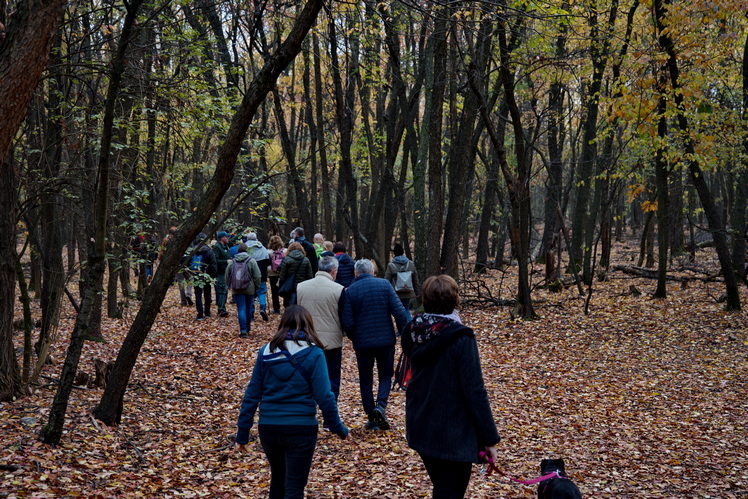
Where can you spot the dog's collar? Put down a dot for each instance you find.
(547, 478)
(554, 474)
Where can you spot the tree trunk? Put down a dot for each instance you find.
(23, 56)
(462, 164)
(345, 107)
(741, 191)
(327, 208)
(600, 45)
(663, 196)
(51, 433)
(434, 142)
(110, 407)
(712, 210)
(289, 150)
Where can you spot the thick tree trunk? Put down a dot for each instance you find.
(438, 83)
(23, 56)
(663, 196)
(111, 405)
(51, 433)
(741, 193)
(462, 164)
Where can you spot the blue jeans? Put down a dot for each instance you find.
(334, 361)
(385, 360)
(262, 296)
(242, 303)
(289, 450)
(406, 305)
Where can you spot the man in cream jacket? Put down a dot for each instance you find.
(322, 297)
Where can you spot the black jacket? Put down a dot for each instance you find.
(210, 266)
(447, 412)
(311, 252)
(295, 259)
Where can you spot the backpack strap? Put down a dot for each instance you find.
(297, 366)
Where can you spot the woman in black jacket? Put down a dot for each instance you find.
(294, 263)
(447, 413)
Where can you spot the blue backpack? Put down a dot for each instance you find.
(197, 262)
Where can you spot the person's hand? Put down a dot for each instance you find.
(492, 453)
(341, 431)
(242, 448)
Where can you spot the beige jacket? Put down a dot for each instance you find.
(321, 297)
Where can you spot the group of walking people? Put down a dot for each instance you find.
(448, 416)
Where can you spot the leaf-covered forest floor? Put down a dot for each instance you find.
(642, 398)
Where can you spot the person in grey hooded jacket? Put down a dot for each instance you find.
(243, 296)
(256, 250)
(400, 263)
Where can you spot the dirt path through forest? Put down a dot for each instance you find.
(642, 398)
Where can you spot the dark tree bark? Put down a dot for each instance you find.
(433, 139)
(711, 209)
(599, 51)
(51, 433)
(741, 189)
(663, 196)
(327, 208)
(23, 56)
(518, 181)
(53, 280)
(462, 164)
(289, 151)
(345, 111)
(111, 405)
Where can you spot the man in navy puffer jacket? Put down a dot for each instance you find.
(346, 273)
(368, 309)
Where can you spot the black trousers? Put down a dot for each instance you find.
(290, 451)
(450, 478)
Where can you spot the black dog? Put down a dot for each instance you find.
(558, 487)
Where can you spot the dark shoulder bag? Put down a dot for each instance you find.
(286, 290)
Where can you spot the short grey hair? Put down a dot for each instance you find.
(328, 264)
(364, 266)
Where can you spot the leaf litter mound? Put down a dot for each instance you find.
(642, 398)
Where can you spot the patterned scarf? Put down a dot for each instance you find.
(425, 327)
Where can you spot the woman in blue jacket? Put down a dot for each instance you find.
(289, 380)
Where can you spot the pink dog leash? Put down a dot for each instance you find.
(486, 457)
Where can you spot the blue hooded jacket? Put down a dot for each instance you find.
(346, 272)
(283, 393)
